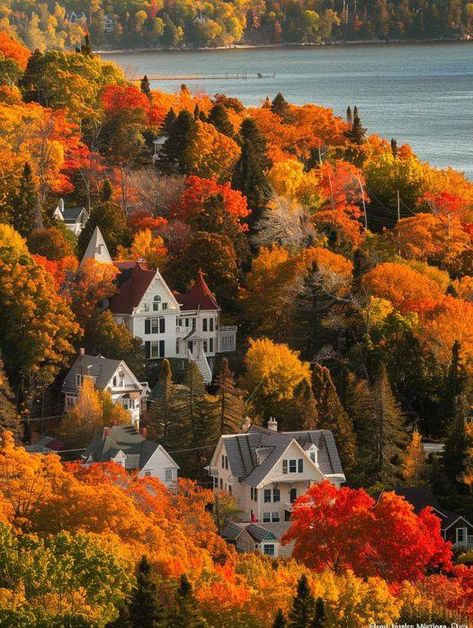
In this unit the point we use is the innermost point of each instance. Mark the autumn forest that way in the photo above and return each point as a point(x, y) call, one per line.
point(344, 261)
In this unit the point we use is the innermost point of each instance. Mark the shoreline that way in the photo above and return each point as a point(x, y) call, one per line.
point(341, 44)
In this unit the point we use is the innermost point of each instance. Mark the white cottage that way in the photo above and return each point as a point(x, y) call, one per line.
point(127, 447)
point(112, 375)
point(266, 471)
point(75, 218)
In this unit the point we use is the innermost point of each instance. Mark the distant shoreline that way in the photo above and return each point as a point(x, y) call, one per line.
point(367, 42)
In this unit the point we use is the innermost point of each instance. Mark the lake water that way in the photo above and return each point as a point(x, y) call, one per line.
point(421, 94)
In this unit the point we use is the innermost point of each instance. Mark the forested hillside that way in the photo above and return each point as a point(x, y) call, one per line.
point(164, 23)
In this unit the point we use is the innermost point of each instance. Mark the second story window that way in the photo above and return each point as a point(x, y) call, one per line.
point(292, 466)
point(267, 495)
point(156, 302)
point(293, 495)
point(276, 495)
point(204, 324)
point(211, 321)
point(300, 465)
point(284, 466)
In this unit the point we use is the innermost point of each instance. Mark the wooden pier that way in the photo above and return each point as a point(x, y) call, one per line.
point(210, 77)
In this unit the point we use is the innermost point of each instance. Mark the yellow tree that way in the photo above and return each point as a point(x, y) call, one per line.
point(415, 467)
point(146, 246)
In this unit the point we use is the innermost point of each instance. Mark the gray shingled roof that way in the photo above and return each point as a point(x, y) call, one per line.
point(242, 455)
point(137, 449)
point(258, 531)
point(102, 369)
point(72, 214)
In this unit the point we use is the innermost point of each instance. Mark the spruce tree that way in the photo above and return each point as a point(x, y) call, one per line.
point(357, 133)
point(168, 121)
point(106, 192)
point(185, 612)
point(250, 171)
point(455, 453)
point(332, 415)
point(320, 615)
point(281, 107)
point(162, 413)
point(300, 412)
point(144, 609)
point(394, 147)
point(386, 433)
point(23, 204)
point(279, 620)
point(219, 118)
point(176, 155)
point(452, 390)
point(9, 417)
point(145, 86)
point(229, 405)
point(302, 613)
point(349, 115)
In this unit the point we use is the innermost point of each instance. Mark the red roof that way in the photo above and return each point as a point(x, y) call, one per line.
point(132, 285)
point(198, 297)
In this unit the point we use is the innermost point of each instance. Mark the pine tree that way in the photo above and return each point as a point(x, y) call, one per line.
point(144, 607)
point(185, 613)
point(332, 416)
point(281, 107)
point(457, 444)
point(300, 412)
point(86, 47)
point(9, 417)
point(145, 87)
point(415, 465)
point(320, 615)
point(357, 133)
point(168, 121)
point(23, 203)
point(162, 414)
point(279, 620)
point(250, 171)
point(349, 115)
point(394, 147)
point(386, 432)
point(219, 118)
point(106, 192)
point(453, 388)
point(230, 405)
point(176, 155)
point(302, 613)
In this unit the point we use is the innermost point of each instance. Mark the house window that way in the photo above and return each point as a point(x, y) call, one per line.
point(268, 549)
point(78, 380)
point(226, 462)
point(164, 306)
point(223, 461)
point(211, 345)
point(145, 307)
point(312, 456)
point(284, 466)
point(276, 495)
point(204, 324)
point(114, 380)
point(461, 536)
point(186, 322)
point(205, 346)
point(267, 495)
point(156, 302)
point(211, 320)
point(266, 517)
point(168, 475)
point(221, 484)
point(292, 466)
point(230, 489)
point(275, 517)
point(254, 494)
point(155, 325)
point(293, 495)
point(177, 347)
point(156, 349)
point(300, 465)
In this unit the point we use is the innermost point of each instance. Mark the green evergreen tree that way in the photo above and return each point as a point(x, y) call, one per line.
point(86, 47)
point(162, 413)
point(279, 620)
point(320, 615)
point(229, 405)
point(250, 171)
point(9, 417)
point(452, 390)
point(23, 204)
point(185, 612)
point(219, 118)
point(111, 220)
point(302, 613)
point(145, 86)
point(145, 609)
point(281, 107)
point(394, 147)
point(300, 412)
point(176, 155)
point(332, 415)
point(357, 133)
point(349, 115)
point(106, 192)
point(168, 121)
point(457, 444)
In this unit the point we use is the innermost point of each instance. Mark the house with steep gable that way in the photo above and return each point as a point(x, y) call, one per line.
point(75, 218)
point(111, 375)
point(266, 471)
point(97, 249)
point(125, 445)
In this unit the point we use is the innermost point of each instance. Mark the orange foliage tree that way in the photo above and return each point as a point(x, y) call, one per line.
point(11, 49)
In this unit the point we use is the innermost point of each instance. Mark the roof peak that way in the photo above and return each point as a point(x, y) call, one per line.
point(97, 249)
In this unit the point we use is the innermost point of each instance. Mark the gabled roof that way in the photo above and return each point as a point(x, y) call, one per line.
point(71, 215)
point(133, 282)
point(199, 296)
point(242, 449)
point(258, 531)
point(97, 249)
point(125, 438)
point(100, 368)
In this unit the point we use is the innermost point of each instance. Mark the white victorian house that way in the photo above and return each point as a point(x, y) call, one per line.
point(127, 447)
point(111, 375)
point(75, 218)
point(266, 471)
point(171, 325)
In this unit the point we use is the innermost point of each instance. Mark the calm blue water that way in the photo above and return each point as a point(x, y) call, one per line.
point(420, 94)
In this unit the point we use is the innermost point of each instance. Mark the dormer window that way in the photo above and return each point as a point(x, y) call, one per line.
point(156, 302)
point(313, 453)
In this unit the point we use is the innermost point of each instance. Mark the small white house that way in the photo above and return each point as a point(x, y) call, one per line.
point(75, 218)
point(266, 471)
point(111, 375)
point(126, 446)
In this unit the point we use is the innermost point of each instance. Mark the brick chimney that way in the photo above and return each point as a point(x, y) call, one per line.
point(106, 432)
point(272, 424)
point(82, 351)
